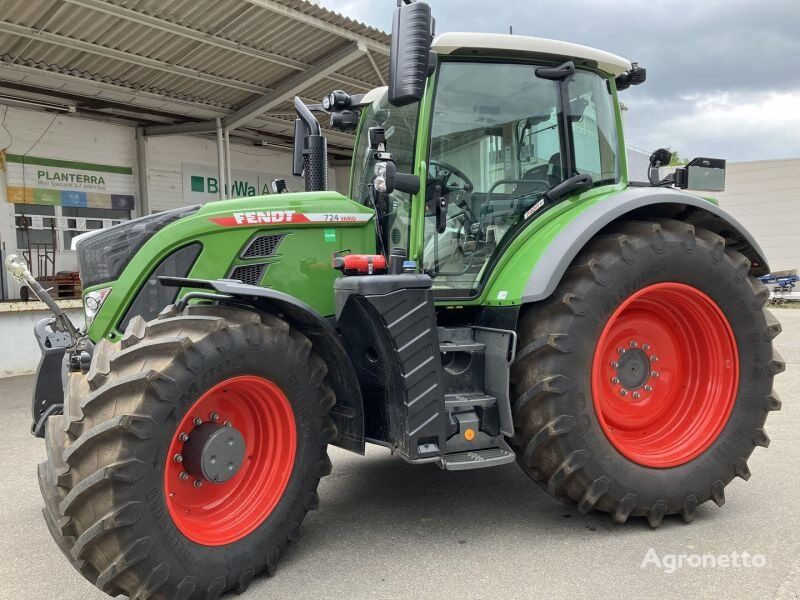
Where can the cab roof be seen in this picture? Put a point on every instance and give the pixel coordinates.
(489, 44)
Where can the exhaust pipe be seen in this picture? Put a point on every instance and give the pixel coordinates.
(310, 149)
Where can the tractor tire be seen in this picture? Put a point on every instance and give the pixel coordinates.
(119, 498)
(641, 386)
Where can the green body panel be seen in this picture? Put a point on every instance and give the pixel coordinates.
(301, 266)
(507, 280)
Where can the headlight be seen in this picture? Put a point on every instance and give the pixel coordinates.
(102, 256)
(92, 302)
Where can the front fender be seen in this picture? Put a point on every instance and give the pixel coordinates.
(639, 203)
(348, 413)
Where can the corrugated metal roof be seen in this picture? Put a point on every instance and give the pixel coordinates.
(191, 58)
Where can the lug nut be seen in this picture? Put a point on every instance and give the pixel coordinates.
(614, 364)
(653, 373)
(634, 344)
(183, 437)
(621, 350)
(648, 388)
(214, 417)
(614, 380)
(623, 392)
(654, 358)
(198, 483)
(183, 476)
(198, 421)
(637, 395)
(228, 424)
(178, 458)
(645, 347)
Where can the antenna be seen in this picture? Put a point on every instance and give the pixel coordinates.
(511, 29)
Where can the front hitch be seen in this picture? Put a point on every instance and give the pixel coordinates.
(64, 348)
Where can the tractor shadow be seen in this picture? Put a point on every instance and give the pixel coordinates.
(381, 496)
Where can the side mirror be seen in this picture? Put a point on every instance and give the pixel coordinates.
(410, 59)
(702, 174)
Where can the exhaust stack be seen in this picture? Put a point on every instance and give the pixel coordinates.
(310, 149)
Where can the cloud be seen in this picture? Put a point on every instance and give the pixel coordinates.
(723, 76)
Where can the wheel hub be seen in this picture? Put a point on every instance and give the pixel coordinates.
(633, 369)
(214, 452)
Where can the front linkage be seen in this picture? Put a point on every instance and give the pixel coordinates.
(60, 341)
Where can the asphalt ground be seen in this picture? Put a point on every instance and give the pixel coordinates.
(386, 529)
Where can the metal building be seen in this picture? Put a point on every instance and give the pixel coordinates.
(112, 109)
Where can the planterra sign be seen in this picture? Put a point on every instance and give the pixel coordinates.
(56, 182)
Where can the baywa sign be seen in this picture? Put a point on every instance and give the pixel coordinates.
(201, 183)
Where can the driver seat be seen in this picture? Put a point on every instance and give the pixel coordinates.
(551, 173)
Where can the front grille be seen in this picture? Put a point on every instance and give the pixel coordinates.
(249, 274)
(263, 246)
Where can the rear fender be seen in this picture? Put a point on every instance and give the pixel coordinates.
(636, 203)
(348, 413)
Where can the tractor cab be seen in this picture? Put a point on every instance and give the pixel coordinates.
(490, 155)
(496, 130)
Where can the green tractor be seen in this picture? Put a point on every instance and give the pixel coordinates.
(494, 289)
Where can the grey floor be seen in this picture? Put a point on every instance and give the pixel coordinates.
(386, 529)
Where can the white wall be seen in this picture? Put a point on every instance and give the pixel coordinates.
(638, 163)
(22, 356)
(765, 197)
(59, 136)
(166, 154)
(69, 137)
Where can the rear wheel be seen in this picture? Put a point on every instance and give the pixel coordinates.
(643, 384)
(189, 455)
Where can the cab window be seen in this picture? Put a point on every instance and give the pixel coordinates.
(496, 147)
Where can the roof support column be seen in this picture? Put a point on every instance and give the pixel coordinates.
(220, 160)
(143, 203)
(228, 176)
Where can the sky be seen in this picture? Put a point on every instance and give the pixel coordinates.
(723, 77)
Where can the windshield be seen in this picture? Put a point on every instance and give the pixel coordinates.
(500, 139)
(400, 125)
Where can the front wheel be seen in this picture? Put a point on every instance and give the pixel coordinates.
(188, 456)
(643, 384)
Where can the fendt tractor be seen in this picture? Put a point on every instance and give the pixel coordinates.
(493, 289)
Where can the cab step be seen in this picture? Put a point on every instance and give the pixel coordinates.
(478, 459)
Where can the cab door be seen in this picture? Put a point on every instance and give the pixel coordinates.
(500, 138)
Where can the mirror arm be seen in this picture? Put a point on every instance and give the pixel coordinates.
(568, 187)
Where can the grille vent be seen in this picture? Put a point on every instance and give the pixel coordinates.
(249, 274)
(263, 246)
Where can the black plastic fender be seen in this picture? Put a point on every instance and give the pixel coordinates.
(636, 203)
(348, 413)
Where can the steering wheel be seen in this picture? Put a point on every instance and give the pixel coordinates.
(451, 170)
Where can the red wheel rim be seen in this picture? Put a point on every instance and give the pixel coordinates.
(222, 513)
(673, 410)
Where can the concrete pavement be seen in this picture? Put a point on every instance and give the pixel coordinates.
(386, 529)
